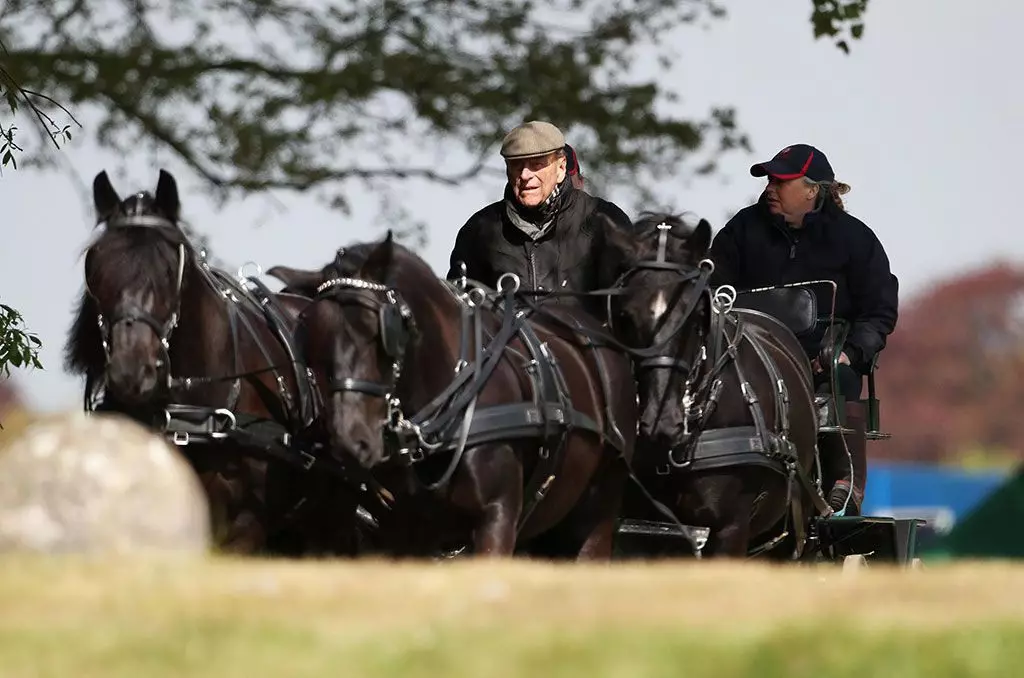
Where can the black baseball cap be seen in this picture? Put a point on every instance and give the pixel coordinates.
(792, 162)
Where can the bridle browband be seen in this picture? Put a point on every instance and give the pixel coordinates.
(397, 328)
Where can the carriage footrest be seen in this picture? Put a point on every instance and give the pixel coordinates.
(878, 538)
(654, 528)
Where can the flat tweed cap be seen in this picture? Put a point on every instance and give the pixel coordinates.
(532, 139)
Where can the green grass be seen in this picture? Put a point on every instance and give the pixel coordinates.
(228, 619)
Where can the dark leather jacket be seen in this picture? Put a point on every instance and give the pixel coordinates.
(565, 257)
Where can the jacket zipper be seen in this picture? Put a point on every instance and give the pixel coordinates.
(792, 241)
(533, 265)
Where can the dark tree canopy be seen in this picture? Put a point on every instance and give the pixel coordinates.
(312, 96)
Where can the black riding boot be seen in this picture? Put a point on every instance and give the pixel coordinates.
(835, 464)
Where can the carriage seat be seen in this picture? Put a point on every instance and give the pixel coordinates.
(794, 307)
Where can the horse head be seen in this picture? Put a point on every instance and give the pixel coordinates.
(356, 334)
(134, 283)
(664, 305)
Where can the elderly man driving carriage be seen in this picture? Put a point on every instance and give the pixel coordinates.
(546, 229)
(800, 231)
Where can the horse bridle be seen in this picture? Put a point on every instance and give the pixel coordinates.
(701, 275)
(133, 313)
(397, 329)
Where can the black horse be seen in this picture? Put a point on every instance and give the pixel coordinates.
(487, 430)
(728, 425)
(193, 353)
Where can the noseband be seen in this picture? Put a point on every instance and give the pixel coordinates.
(133, 313)
(396, 324)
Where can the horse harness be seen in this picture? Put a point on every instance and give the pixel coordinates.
(451, 421)
(763, 445)
(186, 424)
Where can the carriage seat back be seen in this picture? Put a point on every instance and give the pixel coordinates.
(794, 307)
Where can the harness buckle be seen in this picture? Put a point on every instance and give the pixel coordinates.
(306, 460)
(180, 438)
(394, 415)
(231, 423)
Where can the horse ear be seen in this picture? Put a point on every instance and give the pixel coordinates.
(700, 240)
(104, 198)
(166, 199)
(297, 280)
(378, 264)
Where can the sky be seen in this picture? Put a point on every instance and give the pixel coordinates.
(924, 119)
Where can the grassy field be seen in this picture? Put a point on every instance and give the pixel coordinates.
(239, 619)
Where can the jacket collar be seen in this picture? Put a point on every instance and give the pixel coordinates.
(812, 220)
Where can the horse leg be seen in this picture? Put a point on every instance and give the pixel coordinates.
(604, 504)
(489, 483)
(237, 505)
(733, 538)
(723, 501)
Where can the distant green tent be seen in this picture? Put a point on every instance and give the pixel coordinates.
(993, 529)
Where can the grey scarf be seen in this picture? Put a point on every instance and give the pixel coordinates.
(535, 222)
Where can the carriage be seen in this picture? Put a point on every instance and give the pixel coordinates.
(853, 540)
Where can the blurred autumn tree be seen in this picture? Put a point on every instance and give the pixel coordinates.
(952, 376)
(336, 97)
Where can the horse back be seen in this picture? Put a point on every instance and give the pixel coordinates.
(770, 330)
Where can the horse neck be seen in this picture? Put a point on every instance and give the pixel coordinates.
(429, 365)
(201, 343)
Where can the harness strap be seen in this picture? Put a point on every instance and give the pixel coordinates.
(467, 420)
(307, 410)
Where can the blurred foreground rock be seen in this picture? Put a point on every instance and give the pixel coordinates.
(98, 484)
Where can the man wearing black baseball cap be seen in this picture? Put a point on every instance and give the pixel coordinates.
(799, 231)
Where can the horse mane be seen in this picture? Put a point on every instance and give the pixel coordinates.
(124, 256)
(646, 226)
(646, 231)
(406, 267)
